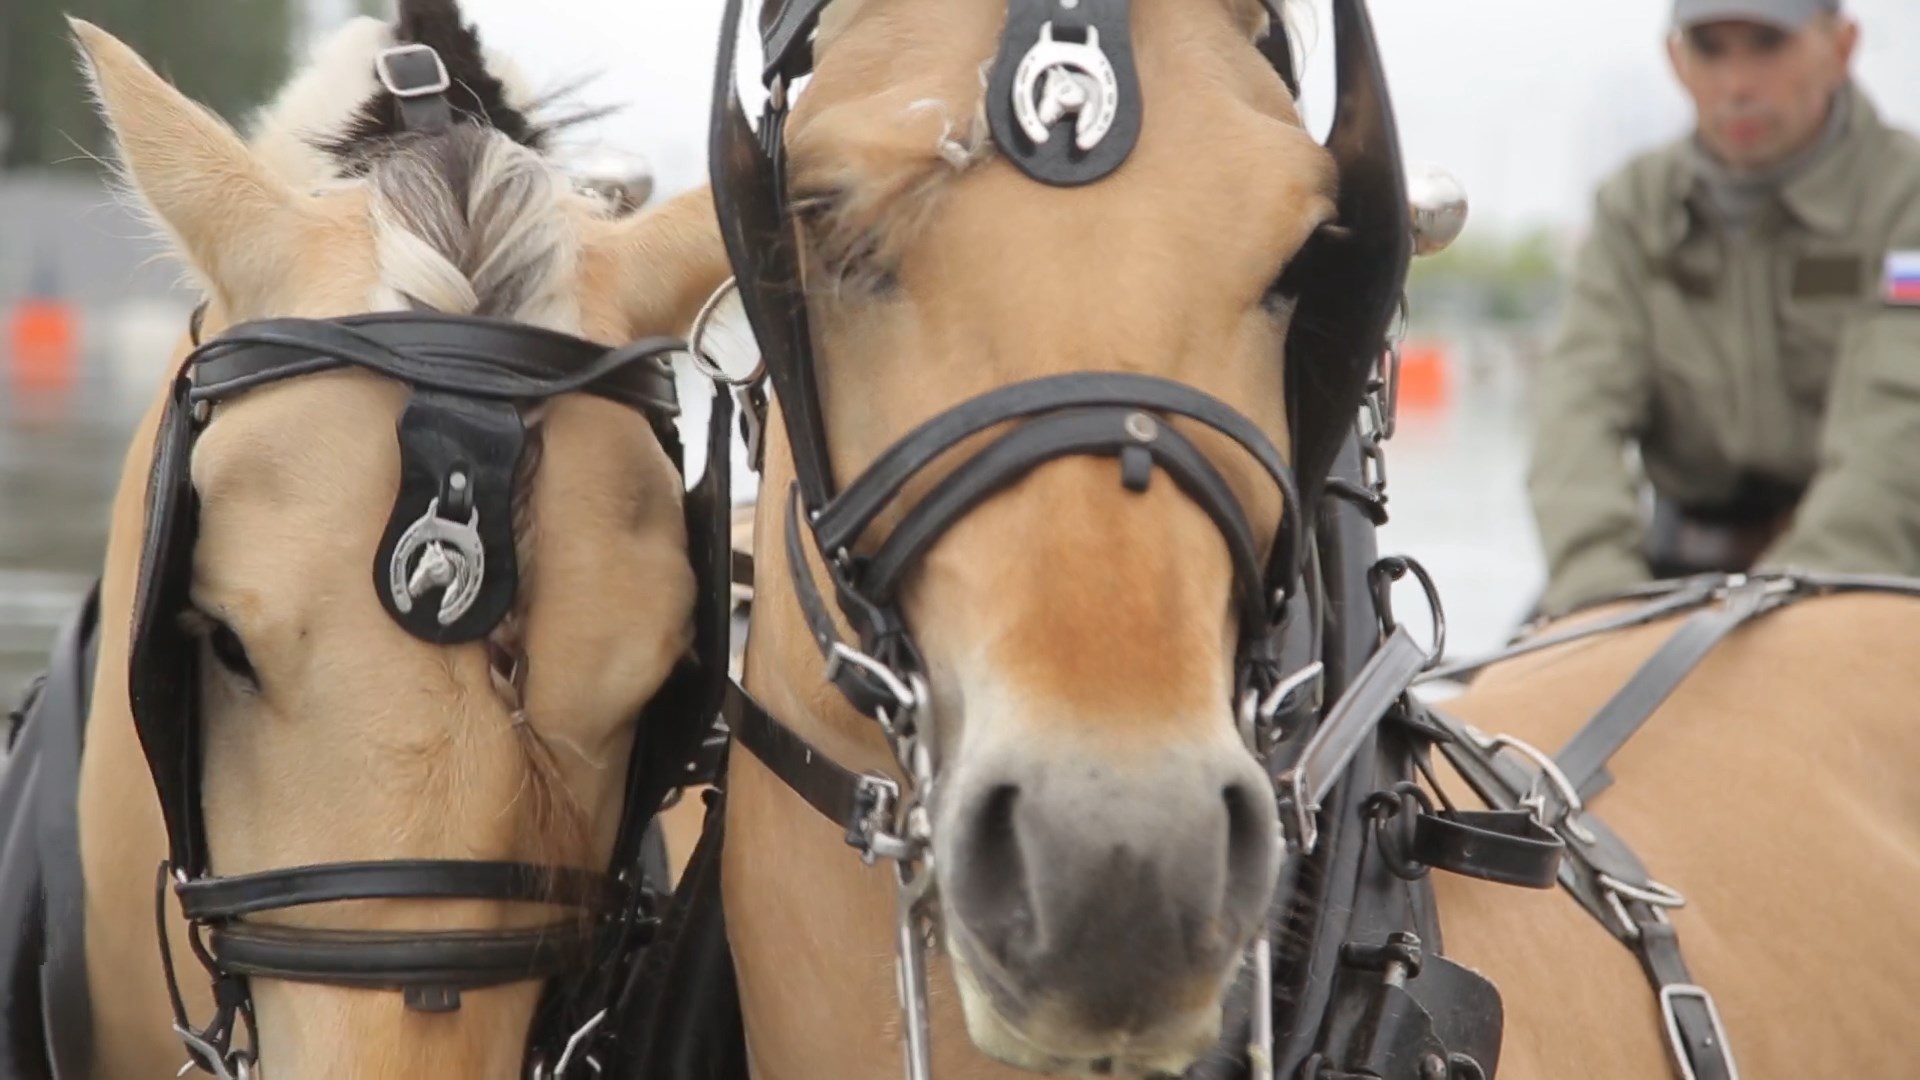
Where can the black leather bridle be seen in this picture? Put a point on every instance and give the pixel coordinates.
(460, 440)
(1353, 286)
(1336, 766)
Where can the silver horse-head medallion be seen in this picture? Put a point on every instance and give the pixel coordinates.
(451, 558)
(1058, 78)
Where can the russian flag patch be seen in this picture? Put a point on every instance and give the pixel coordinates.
(1900, 284)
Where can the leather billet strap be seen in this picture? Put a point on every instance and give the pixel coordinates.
(860, 803)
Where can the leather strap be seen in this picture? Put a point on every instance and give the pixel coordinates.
(785, 32)
(42, 891)
(435, 965)
(1106, 432)
(1584, 759)
(472, 356)
(1510, 847)
(1690, 594)
(859, 802)
(1664, 598)
(1691, 1021)
(1355, 715)
(852, 671)
(209, 899)
(841, 522)
(1599, 866)
(683, 998)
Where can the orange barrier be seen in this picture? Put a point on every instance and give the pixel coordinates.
(1426, 376)
(42, 344)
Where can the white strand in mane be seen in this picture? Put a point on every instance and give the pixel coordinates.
(473, 223)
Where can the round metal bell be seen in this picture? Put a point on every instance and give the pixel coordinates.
(624, 180)
(1439, 206)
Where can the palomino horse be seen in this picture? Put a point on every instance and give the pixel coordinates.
(313, 687)
(1772, 791)
(1068, 668)
(1039, 712)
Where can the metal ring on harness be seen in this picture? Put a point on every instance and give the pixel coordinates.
(1550, 771)
(702, 360)
(1407, 800)
(1391, 569)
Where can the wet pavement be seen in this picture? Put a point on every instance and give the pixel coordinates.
(1454, 477)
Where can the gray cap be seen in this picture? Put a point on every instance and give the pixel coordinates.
(1786, 14)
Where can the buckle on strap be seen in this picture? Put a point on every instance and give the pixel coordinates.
(404, 80)
(1670, 995)
(879, 674)
(1536, 799)
(876, 800)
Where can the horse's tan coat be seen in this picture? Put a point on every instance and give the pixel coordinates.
(365, 743)
(1774, 789)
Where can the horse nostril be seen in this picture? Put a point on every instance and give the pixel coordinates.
(1250, 842)
(994, 881)
(996, 842)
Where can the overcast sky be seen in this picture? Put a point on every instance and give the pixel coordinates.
(1529, 102)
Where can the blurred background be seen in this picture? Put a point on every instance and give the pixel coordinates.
(1530, 104)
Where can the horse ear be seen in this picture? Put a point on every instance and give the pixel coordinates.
(234, 221)
(668, 260)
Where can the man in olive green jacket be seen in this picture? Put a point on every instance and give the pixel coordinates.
(1746, 316)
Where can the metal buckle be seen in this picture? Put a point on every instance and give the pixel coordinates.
(842, 653)
(238, 1067)
(702, 360)
(1549, 771)
(383, 70)
(574, 1042)
(1256, 712)
(1380, 580)
(1301, 829)
(1269, 706)
(1668, 995)
(1653, 894)
(870, 833)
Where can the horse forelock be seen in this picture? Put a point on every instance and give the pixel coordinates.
(879, 174)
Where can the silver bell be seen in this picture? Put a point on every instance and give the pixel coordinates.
(1439, 206)
(624, 180)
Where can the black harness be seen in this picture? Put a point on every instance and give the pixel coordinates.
(1320, 663)
(445, 570)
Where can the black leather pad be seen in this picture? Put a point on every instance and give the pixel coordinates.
(1093, 40)
(457, 461)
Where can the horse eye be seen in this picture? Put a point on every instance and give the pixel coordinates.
(231, 653)
(1290, 282)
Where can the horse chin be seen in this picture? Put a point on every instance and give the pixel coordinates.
(1042, 1041)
